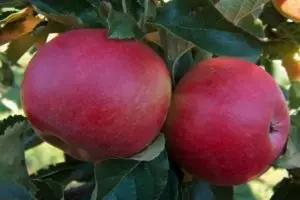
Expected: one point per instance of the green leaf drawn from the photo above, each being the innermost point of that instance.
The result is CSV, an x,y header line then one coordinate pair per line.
x,y
82,191
209,30
271,16
184,64
149,9
109,174
174,49
197,190
64,173
276,70
18,47
202,190
294,95
222,192
124,190
201,55
290,31
11,3
243,192
48,190
243,14
171,191
29,138
12,191
291,157
6,75
287,189
129,179
285,93
10,121
122,25
79,13
152,151
12,162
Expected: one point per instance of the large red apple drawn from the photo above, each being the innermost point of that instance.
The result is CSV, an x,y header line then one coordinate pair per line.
x,y
228,121
96,98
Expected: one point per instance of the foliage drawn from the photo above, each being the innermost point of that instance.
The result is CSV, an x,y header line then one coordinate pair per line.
x,y
180,31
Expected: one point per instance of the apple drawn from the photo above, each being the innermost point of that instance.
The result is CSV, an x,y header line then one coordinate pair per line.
x,y
96,98
228,121
288,8
291,63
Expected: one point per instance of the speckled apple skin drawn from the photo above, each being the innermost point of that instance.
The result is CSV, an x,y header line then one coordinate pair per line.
x,y
218,125
94,97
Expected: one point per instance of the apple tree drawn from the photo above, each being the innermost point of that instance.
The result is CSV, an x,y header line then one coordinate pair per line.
x,y
141,62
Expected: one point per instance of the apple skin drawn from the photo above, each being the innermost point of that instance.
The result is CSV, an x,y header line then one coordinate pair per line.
x,y
288,8
218,126
96,98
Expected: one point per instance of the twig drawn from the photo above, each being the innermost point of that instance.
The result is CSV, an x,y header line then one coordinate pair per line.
x,y
145,17
124,6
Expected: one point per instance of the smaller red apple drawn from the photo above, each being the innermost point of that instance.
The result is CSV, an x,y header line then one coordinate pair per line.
x,y
228,121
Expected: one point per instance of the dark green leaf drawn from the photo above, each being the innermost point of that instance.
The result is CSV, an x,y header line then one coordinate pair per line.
x,y
18,47
209,30
294,95
174,49
243,14
109,174
287,189
285,92
82,192
183,65
291,157
48,190
201,54
11,3
10,121
30,139
6,75
11,191
243,192
152,151
118,179
202,190
149,9
290,31
171,191
64,173
122,25
197,190
12,162
197,3
124,190
79,13
275,69
271,16
7,13
222,192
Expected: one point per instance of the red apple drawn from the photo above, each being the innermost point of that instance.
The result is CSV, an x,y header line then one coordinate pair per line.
x,y
288,8
228,121
96,98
